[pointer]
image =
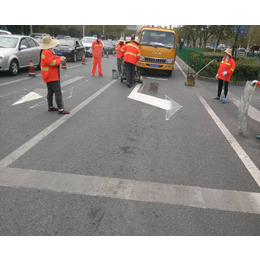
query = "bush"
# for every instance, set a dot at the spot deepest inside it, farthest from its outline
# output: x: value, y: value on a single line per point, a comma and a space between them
x: 246, y: 68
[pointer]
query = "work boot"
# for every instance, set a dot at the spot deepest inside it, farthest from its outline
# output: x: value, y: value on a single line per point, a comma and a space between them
x: 63, y: 112
x: 50, y: 109
x: 224, y: 100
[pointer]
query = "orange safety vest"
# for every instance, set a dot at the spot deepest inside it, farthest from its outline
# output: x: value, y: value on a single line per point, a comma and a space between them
x: 258, y: 84
x: 119, y: 54
x: 97, y: 49
x: 50, y: 66
x: 228, y: 66
x: 131, y: 53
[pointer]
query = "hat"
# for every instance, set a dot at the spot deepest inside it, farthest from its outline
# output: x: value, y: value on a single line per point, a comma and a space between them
x: 121, y: 39
x: 228, y: 52
x: 137, y: 40
x: 48, y: 42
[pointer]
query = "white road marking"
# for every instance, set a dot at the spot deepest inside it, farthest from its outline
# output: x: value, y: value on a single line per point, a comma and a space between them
x: 29, y: 97
x: 250, y: 166
x: 38, y: 93
x: 9, y: 159
x: 168, y: 104
x: 227, y: 200
x: 157, y: 78
x: 14, y: 81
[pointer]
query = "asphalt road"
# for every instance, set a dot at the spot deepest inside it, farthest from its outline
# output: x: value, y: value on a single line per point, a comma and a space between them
x: 115, y: 166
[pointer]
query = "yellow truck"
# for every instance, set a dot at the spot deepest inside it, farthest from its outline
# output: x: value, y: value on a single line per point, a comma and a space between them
x: 157, y: 48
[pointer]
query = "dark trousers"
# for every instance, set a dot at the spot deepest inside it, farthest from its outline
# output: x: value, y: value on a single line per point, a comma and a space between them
x: 119, y: 65
x: 220, y: 86
x: 129, y: 72
x: 54, y: 88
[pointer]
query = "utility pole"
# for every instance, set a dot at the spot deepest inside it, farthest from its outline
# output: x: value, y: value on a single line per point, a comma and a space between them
x: 31, y: 29
x: 83, y: 33
x: 249, y: 38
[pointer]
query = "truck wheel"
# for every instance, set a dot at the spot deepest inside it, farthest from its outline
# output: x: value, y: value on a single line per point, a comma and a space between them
x: 169, y: 73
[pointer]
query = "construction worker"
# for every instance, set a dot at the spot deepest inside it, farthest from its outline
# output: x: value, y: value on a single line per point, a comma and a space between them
x: 225, y: 71
x: 131, y: 53
x: 97, y: 49
x: 51, y: 73
x: 119, y: 54
x: 257, y: 83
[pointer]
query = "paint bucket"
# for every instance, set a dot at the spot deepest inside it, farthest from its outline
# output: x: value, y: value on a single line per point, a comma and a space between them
x: 115, y: 74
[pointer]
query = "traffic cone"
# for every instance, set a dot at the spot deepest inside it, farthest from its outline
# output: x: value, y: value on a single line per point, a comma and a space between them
x: 64, y: 66
x: 31, y: 69
x: 83, y: 59
x: 107, y: 55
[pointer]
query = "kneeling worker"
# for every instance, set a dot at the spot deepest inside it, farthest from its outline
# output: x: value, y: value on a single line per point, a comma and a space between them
x: 131, y: 53
x: 51, y: 73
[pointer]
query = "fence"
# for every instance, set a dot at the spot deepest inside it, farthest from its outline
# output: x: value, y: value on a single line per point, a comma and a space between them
x: 193, y: 57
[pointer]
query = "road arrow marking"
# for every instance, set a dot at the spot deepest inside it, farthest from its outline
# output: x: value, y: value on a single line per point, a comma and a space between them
x: 167, y: 104
x: 30, y: 96
x: 40, y: 92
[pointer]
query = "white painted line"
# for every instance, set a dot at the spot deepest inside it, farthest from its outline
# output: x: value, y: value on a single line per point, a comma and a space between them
x: 38, y: 93
x: 67, y: 82
x: 29, y: 97
x: 250, y: 166
x: 227, y: 200
x: 167, y: 104
x: 14, y: 81
x: 9, y: 159
x: 157, y: 78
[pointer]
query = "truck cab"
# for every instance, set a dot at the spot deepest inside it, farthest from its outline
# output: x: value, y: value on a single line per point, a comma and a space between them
x: 157, y: 48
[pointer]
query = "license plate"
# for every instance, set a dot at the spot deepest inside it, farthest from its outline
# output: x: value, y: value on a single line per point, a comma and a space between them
x: 154, y: 65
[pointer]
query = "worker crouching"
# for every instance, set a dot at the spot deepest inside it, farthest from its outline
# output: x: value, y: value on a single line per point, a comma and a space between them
x: 131, y: 53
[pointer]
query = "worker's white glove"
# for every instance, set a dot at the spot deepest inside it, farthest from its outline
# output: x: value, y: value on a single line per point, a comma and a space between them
x: 63, y: 59
x: 254, y: 82
x: 216, y: 76
x: 224, y: 73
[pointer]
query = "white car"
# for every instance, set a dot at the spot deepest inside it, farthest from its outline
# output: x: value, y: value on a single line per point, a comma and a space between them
x: 87, y: 42
x: 16, y: 51
x: 4, y: 32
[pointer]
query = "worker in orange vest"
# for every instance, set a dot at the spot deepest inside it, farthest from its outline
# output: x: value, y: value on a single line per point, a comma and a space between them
x: 257, y: 83
x: 97, y: 50
x: 119, y: 54
x: 131, y: 53
x: 225, y: 71
x: 51, y: 73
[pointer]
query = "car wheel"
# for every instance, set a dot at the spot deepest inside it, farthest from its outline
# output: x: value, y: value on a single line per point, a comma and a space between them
x: 13, y: 68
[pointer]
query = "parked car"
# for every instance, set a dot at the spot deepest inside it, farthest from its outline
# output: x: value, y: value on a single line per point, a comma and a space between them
x: 241, y: 51
x: 4, y: 32
x: 71, y: 48
x: 16, y: 51
x: 38, y: 35
x: 255, y: 49
x: 87, y: 42
x: 62, y: 37
x: 108, y: 47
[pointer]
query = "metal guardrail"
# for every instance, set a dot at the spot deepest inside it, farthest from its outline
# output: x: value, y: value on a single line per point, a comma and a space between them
x: 193, y: 57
